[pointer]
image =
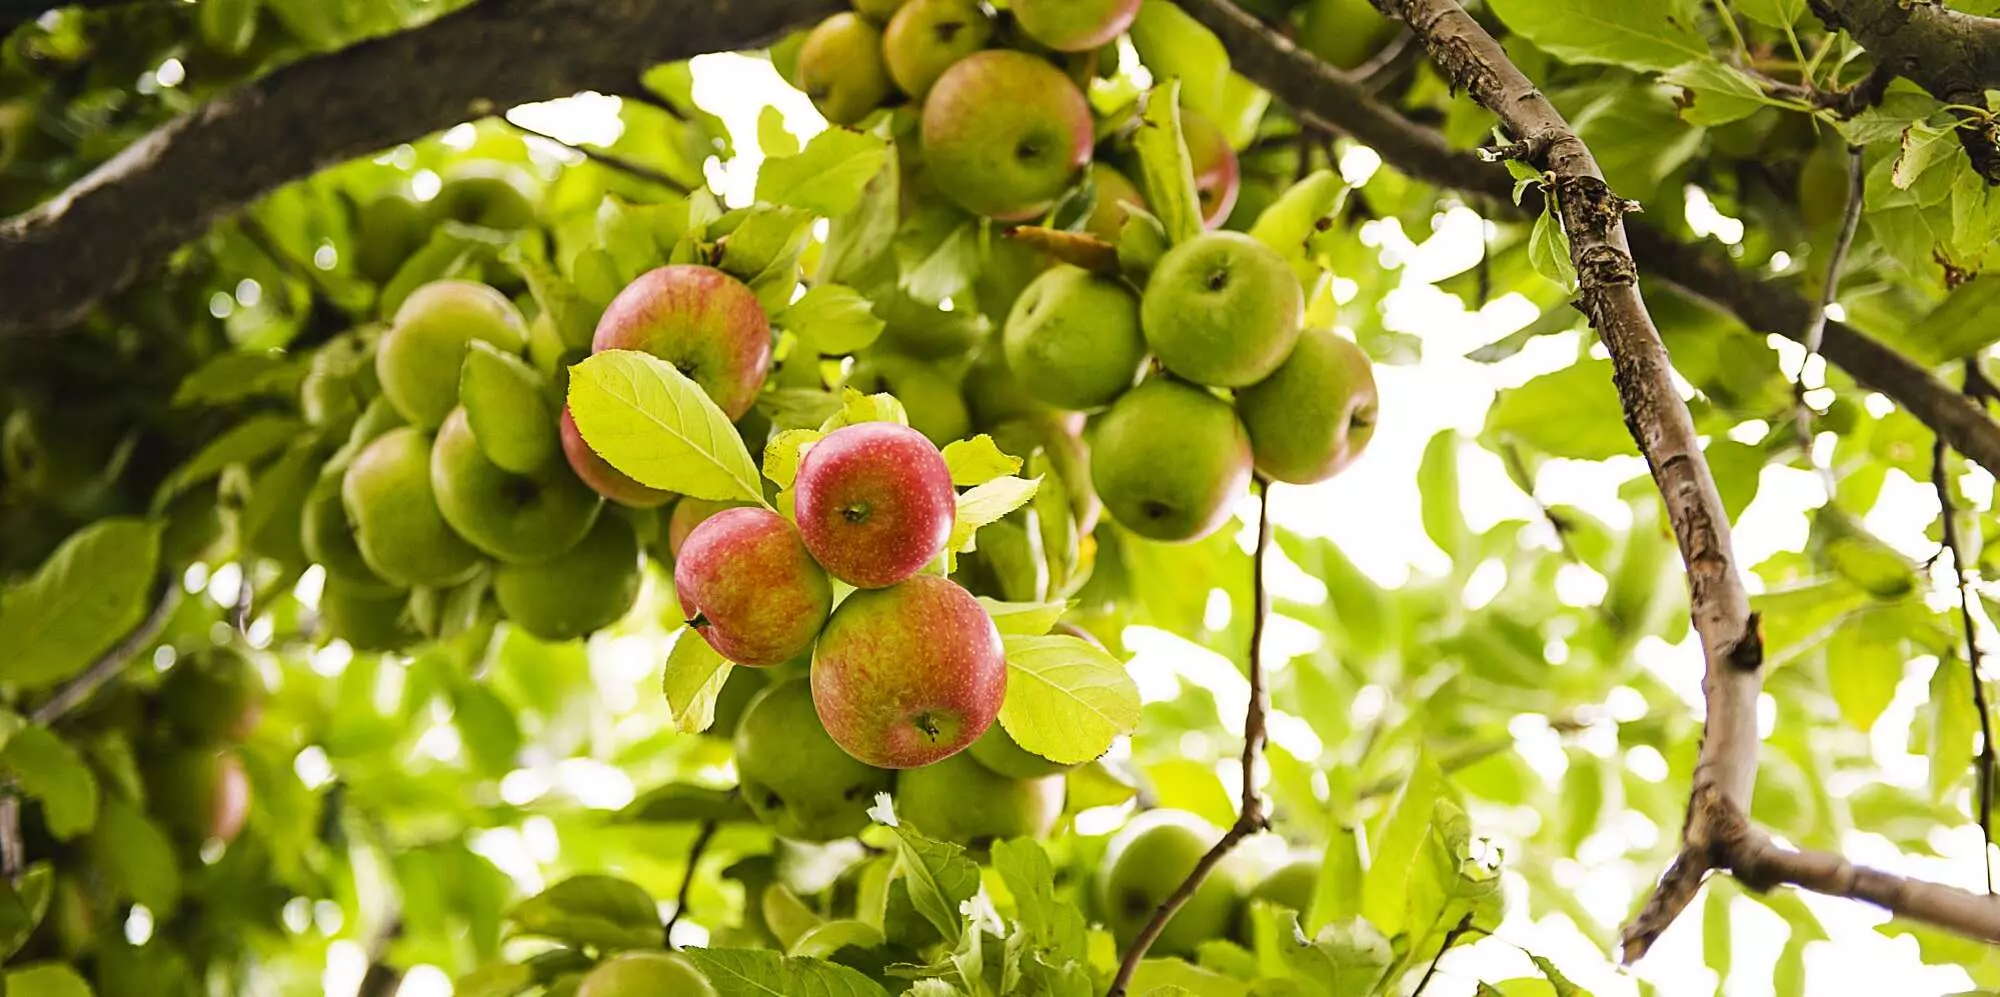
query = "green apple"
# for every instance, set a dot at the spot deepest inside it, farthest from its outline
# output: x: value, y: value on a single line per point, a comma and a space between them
x: 1075, y: 25
x: 1114, y: 191
x: 841, y: 69
x: 365, y: 620
x: 212, y: 697
x: 598, y: 473
x: 1344, y: 33
x: 397, y: 525
x: 201, y: 793
x: 339, y: 383
x: 997, y: 750
x: 1146, y: 862
x: 960, y: 800
x: 507, y: 405
x: 1074, y: 338
x: 1292, y: 885
x: 327, y: 536
x: 1005, y: 134
x: 387, y: 230
x: 994, y: 396
x: 930, y: 396
x: 794, y: 776
x: 924, y: 331
x: 926, y: 37
x: 1222, y: 309
x: 590, y: 587
x: 1006, y: 269
x: 1170, y: 460
x: 689, y: 513
x: 484, y: 193
x: 419, y: 357
x: 879, y: 11
x: 703, y: 321
x: 1217, y: 174
x: 1311, y: 418
x: 874, y: 502
x: 908, y: 675
x: 749, y: 588
x: 645, y: 974
x: 521, y: 518
x: 1069, y: 457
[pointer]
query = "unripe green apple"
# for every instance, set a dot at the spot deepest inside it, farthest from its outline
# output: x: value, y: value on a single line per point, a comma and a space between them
x: 402, y: 535
x: 994, y: 396
x: 1222, y: 309
x: 879, y: 11
x: 689, y: 513
x: 389, y: 228
x: 748, y: 587
x: 1074, y: 338
x: 960, y: 800
x: 908, y: 675
x: 212, y: 697
x: 1005, y: 134
x: 484, y: 193
x: 591, y: 586
x: 930, y: 396
x: 507, y: 404
x: 1315, y: 414
x: 1344, y: 33
x: 365, y: 620
x: 1075, y: 25
x: 1170, y: 460
x: 598, y: 473
x: 513, y: 517
x: 645, y: 974
x: 874, y: 502
x: 327, y: 536
x: 1217, y: 174
x: 1007, y: 269
x: 418, y: 359
x: 841, y: 69
x: 339, y: 383
x: 793, y: 775
x: 925, y: 332
x: 1114, y: 190
x: 997, y: 750
x: 927, y: 37
x: 1146, y: 862
x: 200, y: 792
x: 703, y: 321
x: 1290, y: 885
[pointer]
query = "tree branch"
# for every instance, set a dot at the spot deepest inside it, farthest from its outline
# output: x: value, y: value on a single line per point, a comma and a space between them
x: 1953, y: 55
x: 1815, y: 337
x: 141, y: 637
x: 638, y: 171
x: 701, y: 840
x: 1940, y: 480
x: 1250, y: 815
x: 124, y: 217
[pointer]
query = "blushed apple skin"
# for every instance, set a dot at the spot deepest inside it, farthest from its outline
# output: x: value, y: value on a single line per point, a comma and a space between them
x: 602, y: 478
x: 874, y: 502
x: 927, y: 37
x: 909, y: 675
x: 1005, y: 134
x: 689, y: 513
x: 703, y: 321
x: 1218, y: 176
x: 750, y: 588
x: 1075, y: 25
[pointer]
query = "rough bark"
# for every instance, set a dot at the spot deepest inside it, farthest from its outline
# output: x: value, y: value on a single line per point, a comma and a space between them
x: 126, y: 216
x: 1953, y: 55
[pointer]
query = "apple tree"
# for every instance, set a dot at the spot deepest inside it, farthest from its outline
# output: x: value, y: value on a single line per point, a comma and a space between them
x: 504, y: 497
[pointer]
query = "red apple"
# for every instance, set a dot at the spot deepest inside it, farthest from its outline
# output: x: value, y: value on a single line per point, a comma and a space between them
x: 703, y: 321
x: 874, y: 502
x: 604, y: 479
x: 750, y: 589
x: 689, y: 513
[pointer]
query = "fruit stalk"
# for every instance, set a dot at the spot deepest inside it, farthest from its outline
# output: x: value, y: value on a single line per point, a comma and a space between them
x: 695, y: 851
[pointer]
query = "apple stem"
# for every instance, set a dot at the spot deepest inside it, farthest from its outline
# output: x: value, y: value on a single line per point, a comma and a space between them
x: 1250, y: 816
x: 701, y: 840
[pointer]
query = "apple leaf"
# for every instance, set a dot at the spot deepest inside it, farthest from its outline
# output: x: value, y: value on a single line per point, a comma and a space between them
x: 987, y: 504
x: 823, y: 940
x: 249, y: 442
x: 832, y: 319
x: 45, y: 979
x: 601, y: 911
x: 1051, y: 924
x: 939, y: 878
x: 783, y: 453
x: 86, y: 596
x: 762, y: 973
x: 856, y: 407
x: 507, y: 405
x: 1024, y: 619
x: 773, y: 137
x: 977, y: 461
x: 1636, y: 34
x: 653, y: 423
x: 1067, y: 699
x: 1394, y: 843
x: 47, y: 768
x: 1548, y: 248
x: 828, y: 176
x: 1164, y: 162
x: 1295, y: 217
x: 695, y: 673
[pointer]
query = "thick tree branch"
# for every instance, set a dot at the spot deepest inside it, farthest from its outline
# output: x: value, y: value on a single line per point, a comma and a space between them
x: 164, y: 190
x: 1250, y: 815
x: 1953, y: 55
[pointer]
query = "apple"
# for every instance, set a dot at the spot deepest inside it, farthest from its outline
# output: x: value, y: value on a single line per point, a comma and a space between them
x: 364, y: 620
x: 689, y: 513
x: 749, y: 587
x: 397, y: 525
x: 1315, y: 415
x: 703, y: 321
x: 1114, y: 190
x: 484, y: 193
x: 793, y: 775
x: 1217, y: 175
x: 202, y: 793
x: 587, y: 588
x: 645, y: 974
x: 1170, y: 460
x: 418, y: 359
x: 923, y: 331
x: 1147, y: 861
x: 598, y: 473
x: 874, y: 502
x: 339, y: 383
x: 908, y: 675
x: 524, y: 518
x: 212, y: 697
x: 997, y: 750
x: 1222, y: 309
x: 930, y: 396
x: 879, y: 11
x: 841, y: 69
x: 960, y: 800
x: 327, y: 537
x: 1005, y: 134
x: 926, y: 37
x: 1075, y: 25
x: 1074, y: 338
x: 1344, y: 33
x: 387, y: 230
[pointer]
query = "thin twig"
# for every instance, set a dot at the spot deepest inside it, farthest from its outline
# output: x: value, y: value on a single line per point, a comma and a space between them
x: 1450, y: 938
x: 1940, y: 480
x: 611, y: 159
x: 1250, y: 816
x: 695, y: 851
x: 80, y: 688
x: 1815, y: 334
x: 13, y: 854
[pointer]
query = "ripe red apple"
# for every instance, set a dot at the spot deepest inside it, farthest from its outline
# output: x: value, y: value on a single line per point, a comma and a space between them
x: 703, y: 321
x: 874, y: 502
x: 604, y: 479
x: 689, y: 513
x: 908, y: 675
x: 749, y: 587
x: 1005, y: 134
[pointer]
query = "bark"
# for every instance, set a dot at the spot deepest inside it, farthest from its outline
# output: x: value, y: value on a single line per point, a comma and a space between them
x: 1953, y: 55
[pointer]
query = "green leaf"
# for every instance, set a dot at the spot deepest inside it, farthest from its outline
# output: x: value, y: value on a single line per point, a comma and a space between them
x: 827, y: 178
x: 1864, y: 662
x: 47, y: 768
x: 1437, y: 487
x: 762, y: 973
x: 783, y: 453
x: 23, y: 906
x: 1573, y: 412
x: 507, y: 405
x: 1067, y: 699
x: 832, y: 319
x: 1052, y: 925
x: 823, y: 940
x: 1965, y: 322
x: 1347, y: 959
x: 680, y: 803
x: 228, y: 25
x: 247, y: 442
x: 1717, y: 93
x: 939, y: 878
x: 45, y: 979
x: 1174, y: 45
x: 987, y: 504
x: 1165, y: 166
x: 1637, y: 34
x: 772, y: 136
x: 500, y: 980
x: 233, y: 377
x: 87, y: 595
x: 653, y: 423
x: 764, y: 249
x: 1772, y: 13
x: 977, y: 461
x: 938, y: 251
x: 638, y: 237
x: 1548, y: 248
x: 1953, y: 723
x: 1024, y: 619
x: 1394, y: 843
x: 695, y: 674
x: 603, y: 911
x: 134, y: 856
x: 1296, y: 216
x: 1924, y: 146
x: 487, y: 727
x: 856, y: 407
